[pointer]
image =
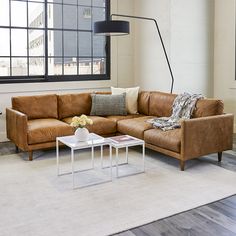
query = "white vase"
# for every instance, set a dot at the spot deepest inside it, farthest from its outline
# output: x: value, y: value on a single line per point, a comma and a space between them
x: 82, y: 134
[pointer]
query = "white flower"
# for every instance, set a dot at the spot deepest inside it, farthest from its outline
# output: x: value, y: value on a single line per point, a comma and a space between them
x: 90, y: 122
x: 81, y: 121
x: 74, y: 119
x: 83, y: 117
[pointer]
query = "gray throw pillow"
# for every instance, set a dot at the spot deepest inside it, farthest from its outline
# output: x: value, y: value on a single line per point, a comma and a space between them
x: 105, y: 105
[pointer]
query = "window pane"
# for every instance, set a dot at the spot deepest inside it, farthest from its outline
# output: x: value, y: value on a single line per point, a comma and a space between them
x: 19, y: 42
x: 54, y: 16
x: 55, y: 43
x: 99, y: 14
x: 70, y: 66
x: 55, y: 1
x: 19, y: 66
x: 70, y: 2
x: 85, y: 40
x: 85, y: 17
x: 4, y: 12
x: 69, y: 17
x: 99, y: 44
x: 36, y: 15
x: 18, y: 14
x: 84, y: 2
x: 36, y: 43
x: 55, y: 66
x: 99, y: 3
x: 85, y: 66
x: 36, y: 66
x: 99, y: 66
x: 70, y: 43
x: 4, y: 66
x: 37, y: 0
x: 4, y: 40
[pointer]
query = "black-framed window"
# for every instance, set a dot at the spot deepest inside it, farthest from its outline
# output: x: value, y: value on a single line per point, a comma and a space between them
x: 52, y: 40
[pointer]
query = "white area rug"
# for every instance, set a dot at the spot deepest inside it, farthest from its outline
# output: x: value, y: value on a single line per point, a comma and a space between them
x: 34, y: 201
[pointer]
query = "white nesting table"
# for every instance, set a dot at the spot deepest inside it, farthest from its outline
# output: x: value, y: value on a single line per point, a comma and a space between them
x: 93, y: 141
x: 126, y: 141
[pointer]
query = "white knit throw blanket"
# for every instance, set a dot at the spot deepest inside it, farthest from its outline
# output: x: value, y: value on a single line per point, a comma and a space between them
x: 183, y: 107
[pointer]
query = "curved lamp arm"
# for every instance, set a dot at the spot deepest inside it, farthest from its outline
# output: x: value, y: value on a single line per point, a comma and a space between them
x: 162, y: 43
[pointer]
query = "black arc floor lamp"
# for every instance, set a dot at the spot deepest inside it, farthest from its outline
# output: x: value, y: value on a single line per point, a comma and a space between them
x: 119, y: 27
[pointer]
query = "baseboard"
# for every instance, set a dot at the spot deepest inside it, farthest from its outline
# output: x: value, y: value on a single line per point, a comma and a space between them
x: 3, y: 137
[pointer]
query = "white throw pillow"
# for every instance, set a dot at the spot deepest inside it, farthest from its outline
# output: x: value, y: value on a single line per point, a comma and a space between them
x: 131, y: 98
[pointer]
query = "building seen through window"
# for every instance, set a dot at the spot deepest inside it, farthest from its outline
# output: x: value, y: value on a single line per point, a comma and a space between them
x: 52, y: 39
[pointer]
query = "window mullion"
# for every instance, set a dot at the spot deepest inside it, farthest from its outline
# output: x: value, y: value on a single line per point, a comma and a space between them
x: 10, y: 37
x: 46, y: 39
x: 108, y: 56
x: 92, y: 37
x: 77, y: 26
x: 63, y: 54
x: 27, y: 19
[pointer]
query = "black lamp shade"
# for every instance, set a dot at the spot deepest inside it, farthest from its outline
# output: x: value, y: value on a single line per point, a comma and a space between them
x: 111, y: 27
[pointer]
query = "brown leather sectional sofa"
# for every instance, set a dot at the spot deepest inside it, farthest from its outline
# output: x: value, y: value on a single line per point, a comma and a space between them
x: 34, y: 122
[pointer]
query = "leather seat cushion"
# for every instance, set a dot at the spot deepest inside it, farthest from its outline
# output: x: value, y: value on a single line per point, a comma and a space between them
x: 117, y: 118
x: 170, y: 140
x: 100, y: 126
x: 46, y: 130
x: 134, y: 127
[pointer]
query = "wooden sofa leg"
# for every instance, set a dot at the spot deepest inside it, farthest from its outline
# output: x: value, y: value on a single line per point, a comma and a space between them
x: 17, y: 149
x: 219, y: 156
x: 30, y: 155
x: 182, y: 165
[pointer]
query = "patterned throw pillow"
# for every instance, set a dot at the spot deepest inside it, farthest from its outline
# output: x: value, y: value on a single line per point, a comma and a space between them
x: 105, y: 105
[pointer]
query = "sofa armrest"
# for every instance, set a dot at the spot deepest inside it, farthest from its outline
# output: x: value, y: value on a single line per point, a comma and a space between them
x: 205, y: 135
x: 16, y: 124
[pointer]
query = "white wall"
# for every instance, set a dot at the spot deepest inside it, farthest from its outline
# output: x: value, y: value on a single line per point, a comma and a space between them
x: 224, y: 58
x: 121, y: 73
x: 187, y: 30
x: 123, y: 49
x: 151, y: 71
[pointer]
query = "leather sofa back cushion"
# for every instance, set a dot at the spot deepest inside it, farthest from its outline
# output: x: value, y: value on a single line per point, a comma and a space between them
x: 160, y: 104
x: 143, y: 102
x: 208, y: 107
x: 40, y: 106
x: 74, y: 104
